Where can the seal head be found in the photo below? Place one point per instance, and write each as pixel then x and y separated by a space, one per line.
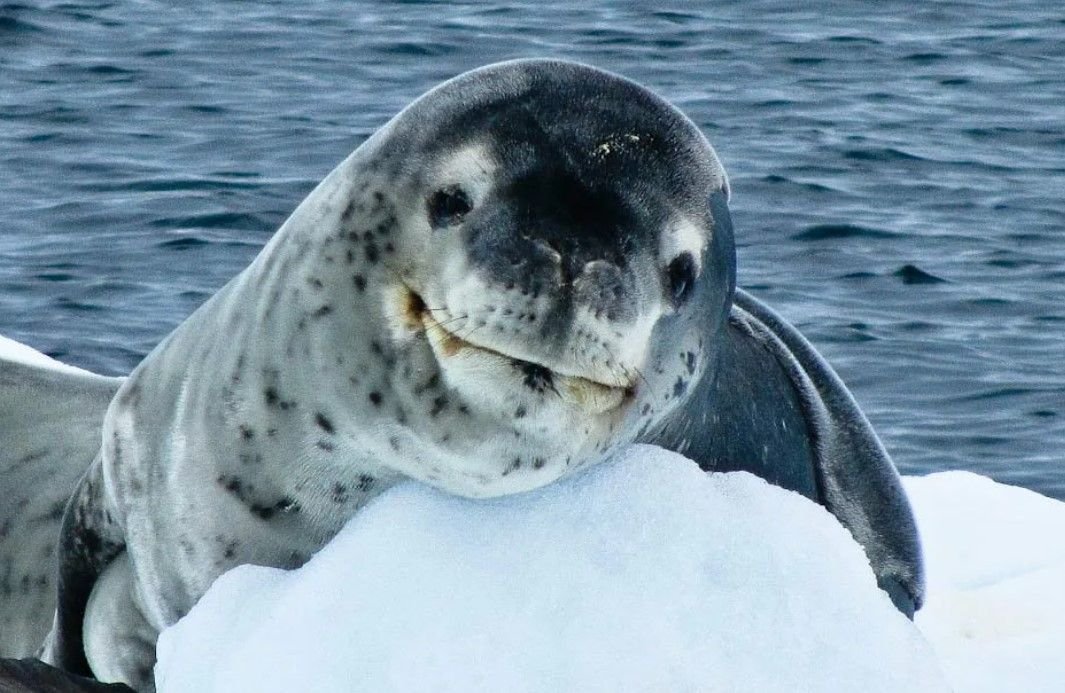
pixel 560 233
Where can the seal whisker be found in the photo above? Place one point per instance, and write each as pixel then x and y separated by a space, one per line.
pixel 429 324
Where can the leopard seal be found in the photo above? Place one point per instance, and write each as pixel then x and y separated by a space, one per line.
pixel 528 267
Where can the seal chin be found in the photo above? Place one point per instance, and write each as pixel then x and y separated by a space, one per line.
pixel 585 393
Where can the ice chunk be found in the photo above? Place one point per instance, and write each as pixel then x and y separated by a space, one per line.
pixel 643 574
pixel 995 558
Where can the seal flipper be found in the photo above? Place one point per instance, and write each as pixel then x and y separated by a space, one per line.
pixel 775 408
pixel 34 676
pixel 50 431
pixel 89 541
pixel 858 482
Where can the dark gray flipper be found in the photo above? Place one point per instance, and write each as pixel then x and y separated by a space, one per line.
pixel 34 676
pixel 50 432
pixel 778 410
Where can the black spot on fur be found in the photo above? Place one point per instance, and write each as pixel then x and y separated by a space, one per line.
pixel 315 283
pixel 514 465
pixel 340 493
pixel 360 282
pixel 520 412
pixel 325 445
pixel 323 311
pixel 689 362
pixel 372 254
pixel 263 512
pixel 680 387
pixel 274 399
pixel 439 404
pixel 348 213
pixel 350 256
pixel 284 505
pixel 536 377
pixel 365 483
pixel 539 463
pixel 54 513
pixel 376 398
pixel 246 433
pixel 235 487
pixel 324 423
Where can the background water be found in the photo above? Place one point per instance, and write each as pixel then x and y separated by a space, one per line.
pixel 898 172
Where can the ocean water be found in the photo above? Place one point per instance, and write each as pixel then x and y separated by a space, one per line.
pixel 898 174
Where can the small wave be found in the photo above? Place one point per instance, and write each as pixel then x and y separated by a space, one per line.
pixel 183 243
pixel 779 179
pixel 676 16
pixel 78 306
pixel 925 58
pixel 55 276
pixel 105 69
pixel 912 274
pixel 825 232
pixel 881 154
pixel 848 39
pixel 214 220
pixel 422 50
pixel 995 393
pixel 11 25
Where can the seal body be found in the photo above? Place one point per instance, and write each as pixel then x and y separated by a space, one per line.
pixel 528 267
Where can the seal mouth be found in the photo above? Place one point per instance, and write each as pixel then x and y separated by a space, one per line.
pixel 593 396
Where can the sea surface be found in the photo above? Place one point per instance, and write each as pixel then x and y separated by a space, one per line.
pixel 898 173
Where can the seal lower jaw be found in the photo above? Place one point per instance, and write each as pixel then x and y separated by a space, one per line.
pixel 590 396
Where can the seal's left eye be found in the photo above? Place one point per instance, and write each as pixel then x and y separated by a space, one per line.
pixel 448 206
pixel 680 277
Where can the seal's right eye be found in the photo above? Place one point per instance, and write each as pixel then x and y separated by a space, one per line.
pixel 448 206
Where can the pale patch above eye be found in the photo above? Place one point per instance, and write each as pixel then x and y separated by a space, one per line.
pixel 681 249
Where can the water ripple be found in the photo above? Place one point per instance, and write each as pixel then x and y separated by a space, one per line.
pixel 897 173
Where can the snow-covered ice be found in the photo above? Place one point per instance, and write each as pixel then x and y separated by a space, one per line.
pixel 995 557
pixel 10 350
pixel 643 574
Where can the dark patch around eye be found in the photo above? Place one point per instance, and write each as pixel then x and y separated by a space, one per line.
pixel 680 277
pixel 448 206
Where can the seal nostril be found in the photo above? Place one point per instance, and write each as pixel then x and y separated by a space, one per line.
pixel 448 206
pixel 680 276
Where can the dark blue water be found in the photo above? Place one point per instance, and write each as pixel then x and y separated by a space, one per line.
pixel 898 172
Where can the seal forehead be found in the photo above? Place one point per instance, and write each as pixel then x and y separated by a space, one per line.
pixel 596 120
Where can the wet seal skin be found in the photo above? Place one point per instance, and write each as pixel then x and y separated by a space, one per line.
pixel 530 266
